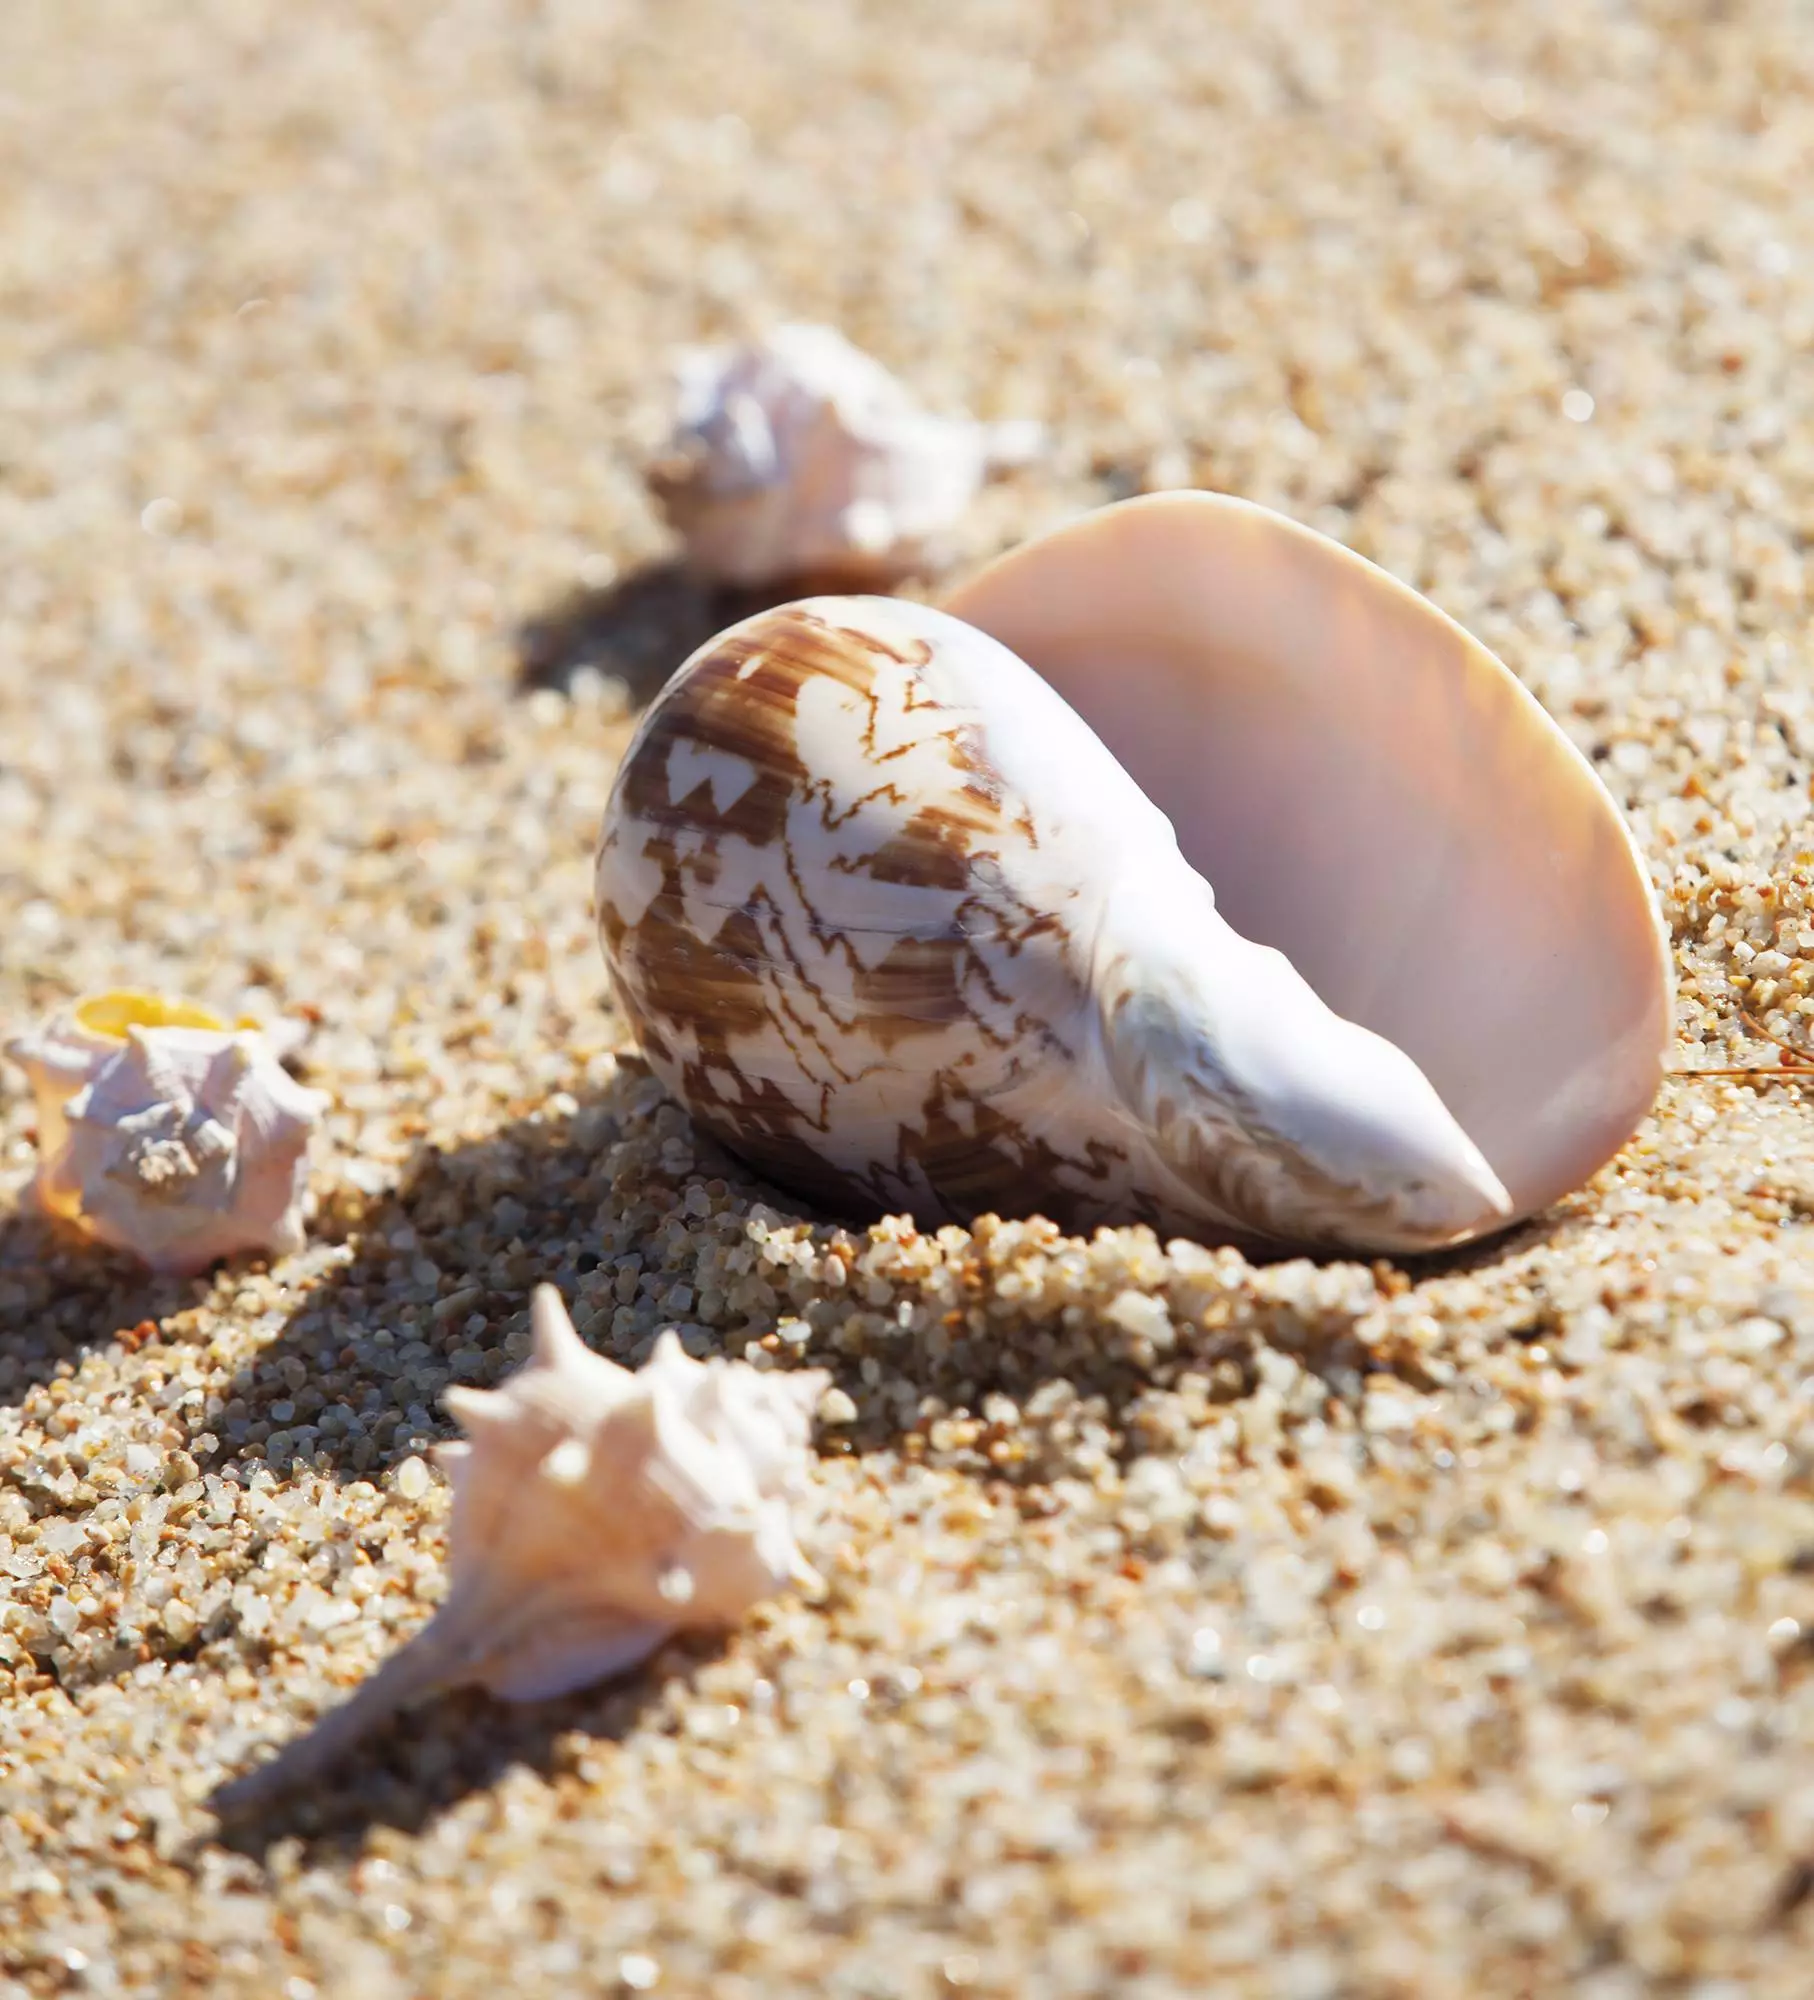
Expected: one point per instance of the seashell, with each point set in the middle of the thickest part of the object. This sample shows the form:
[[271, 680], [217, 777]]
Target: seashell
[[913, 908], [799, 454], [595, 1513], [164, 1132]]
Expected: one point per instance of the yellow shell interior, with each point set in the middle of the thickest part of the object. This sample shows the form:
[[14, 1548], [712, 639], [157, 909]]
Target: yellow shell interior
[[116, 1012]]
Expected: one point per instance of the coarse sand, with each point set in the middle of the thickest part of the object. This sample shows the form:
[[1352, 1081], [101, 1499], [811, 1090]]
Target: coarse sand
[[1192, 1626]]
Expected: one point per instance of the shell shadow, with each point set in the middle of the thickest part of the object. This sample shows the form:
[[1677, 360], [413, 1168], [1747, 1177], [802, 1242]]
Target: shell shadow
[[494, 1217], [641, 1222], [638, 629], [61, 1298], [1533, 1232], [442, 1751], [633, 1215]]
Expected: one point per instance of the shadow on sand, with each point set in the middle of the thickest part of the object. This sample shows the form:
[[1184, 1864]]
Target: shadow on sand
[[641, 1223], [440, 1752], [609, 1203], [61, 1298], [640, 628]]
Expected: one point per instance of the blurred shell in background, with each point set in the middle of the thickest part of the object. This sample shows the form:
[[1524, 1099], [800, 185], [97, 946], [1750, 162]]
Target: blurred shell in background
[[799, 455]]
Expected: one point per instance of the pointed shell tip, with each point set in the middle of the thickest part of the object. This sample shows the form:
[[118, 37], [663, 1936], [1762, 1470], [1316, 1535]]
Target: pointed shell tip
[[556, 1337]]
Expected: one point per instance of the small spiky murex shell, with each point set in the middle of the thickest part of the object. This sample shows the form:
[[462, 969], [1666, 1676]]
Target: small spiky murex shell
[[596, 1512], [167, 1133], [799, 454]]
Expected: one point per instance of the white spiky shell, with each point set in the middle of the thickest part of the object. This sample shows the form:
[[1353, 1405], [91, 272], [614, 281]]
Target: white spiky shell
[[166, 1133], [896, 923], [798, 454], [596, 1512]]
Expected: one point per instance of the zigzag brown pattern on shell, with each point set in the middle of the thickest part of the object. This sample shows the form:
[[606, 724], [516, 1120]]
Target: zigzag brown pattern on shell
[[741, 701], [760, 1124], [992, 1161], [918, 987]]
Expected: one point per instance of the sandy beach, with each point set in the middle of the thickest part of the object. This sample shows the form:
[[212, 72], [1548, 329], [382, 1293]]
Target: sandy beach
[[1307, 1630]]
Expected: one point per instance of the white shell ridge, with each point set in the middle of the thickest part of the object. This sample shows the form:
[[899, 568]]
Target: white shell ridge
[[596, 1511], [1295, 1123], [895, 925], [798, 454], [165, 1133]]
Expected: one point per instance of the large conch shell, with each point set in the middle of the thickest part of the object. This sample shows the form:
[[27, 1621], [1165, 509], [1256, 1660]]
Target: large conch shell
[[915, 921], [800, 455], [166, 1133], [595, 1513]]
